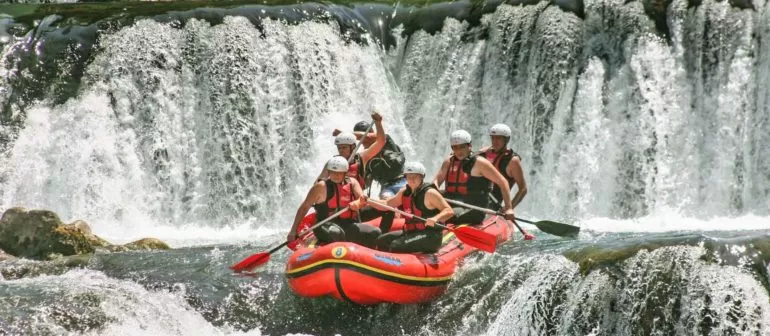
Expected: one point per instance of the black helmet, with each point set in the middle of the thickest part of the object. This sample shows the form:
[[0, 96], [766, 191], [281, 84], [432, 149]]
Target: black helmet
[[361, 126]]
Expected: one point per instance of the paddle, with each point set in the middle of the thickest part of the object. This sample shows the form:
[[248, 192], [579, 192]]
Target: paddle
[[527, 236], [258, 259], [554, 228], [469, 235], [358, 145]]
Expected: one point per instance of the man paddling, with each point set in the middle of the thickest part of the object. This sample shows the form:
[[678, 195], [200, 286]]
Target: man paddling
[[468, 179], [386, 165], [507, 162], [422, 200], [329, 196], [346, 145]]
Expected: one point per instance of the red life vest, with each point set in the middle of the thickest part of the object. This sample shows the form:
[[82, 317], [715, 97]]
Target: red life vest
[[338, 196], [353, 172], [461, 185], [458, 175], [500, 160], [413, 202]]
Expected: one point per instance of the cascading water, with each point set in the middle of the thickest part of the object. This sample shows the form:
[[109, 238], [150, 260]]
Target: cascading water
[[206, 130]]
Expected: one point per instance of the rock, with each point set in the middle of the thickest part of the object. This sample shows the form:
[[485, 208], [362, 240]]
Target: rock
[[82, 226], [5, 256], [40, 234], [85, 230], [35, 234], [147, 244]]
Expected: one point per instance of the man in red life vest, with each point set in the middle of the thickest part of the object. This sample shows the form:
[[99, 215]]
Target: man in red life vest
[[420, 199], [468, 178], [507, 162], [329, 196]]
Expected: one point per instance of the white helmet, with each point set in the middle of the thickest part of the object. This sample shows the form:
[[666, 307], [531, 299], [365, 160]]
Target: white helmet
[[345, 139], [414, 167], [460, 137], [337, 164], [501, 130]]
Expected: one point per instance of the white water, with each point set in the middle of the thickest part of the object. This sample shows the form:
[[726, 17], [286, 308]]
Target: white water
[[129, 308], [218, 114], [208, 133], [555, 299], [633, 134]]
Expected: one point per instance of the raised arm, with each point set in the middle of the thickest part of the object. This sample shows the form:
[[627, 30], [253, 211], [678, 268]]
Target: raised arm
[[379, 141]]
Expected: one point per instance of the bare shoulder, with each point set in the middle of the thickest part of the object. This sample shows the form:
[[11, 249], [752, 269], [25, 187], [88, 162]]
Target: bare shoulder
[[433, 192], [482, 160], [354, 183]]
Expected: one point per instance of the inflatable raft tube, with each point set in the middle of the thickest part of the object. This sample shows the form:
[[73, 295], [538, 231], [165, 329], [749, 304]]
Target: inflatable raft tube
[[354, 273]]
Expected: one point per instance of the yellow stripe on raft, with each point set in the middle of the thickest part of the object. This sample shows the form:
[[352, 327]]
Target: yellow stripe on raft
[[377, 270], [348, 262]]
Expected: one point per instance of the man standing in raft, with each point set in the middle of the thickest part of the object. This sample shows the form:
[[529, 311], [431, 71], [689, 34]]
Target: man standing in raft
[[420, 199], [387, 163], [329, 196], [507, 162], [468, 179], [346, 144]]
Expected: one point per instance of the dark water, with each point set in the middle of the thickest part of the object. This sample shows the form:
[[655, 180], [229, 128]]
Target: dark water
[[204, 127]]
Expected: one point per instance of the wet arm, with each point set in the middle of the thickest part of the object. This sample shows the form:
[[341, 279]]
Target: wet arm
[[441, 175], [490, 173], [514, 170], [310, 199], [436, 201]]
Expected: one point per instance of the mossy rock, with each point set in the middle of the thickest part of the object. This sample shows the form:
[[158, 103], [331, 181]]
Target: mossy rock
[[592, 257], [147, 244], [41, 235], [35, 234]]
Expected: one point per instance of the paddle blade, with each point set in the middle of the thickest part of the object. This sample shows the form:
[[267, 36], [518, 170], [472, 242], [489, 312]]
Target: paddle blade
[[558, 229], [481, 240], [253, 261]]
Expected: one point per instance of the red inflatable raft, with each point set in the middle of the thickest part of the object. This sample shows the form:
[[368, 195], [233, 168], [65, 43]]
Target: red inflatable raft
[[351, 272]]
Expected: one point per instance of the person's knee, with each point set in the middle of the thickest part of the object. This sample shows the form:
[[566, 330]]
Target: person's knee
[[396, 245], [375, 232], [335, 233]]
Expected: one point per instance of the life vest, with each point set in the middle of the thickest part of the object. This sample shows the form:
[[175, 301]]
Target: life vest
[[414, 203], [338, 196], [500, 160], [460, 185], [386, 166], [354, 169]]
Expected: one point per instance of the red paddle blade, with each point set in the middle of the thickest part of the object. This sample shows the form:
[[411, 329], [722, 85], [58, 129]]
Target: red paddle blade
[[481, 240], [253, 261]]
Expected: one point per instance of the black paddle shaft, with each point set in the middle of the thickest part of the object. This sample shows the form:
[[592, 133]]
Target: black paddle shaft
[[514, 221]]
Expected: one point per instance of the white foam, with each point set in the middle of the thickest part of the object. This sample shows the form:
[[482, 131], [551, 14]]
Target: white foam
[[131, 309], [675, 222]]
